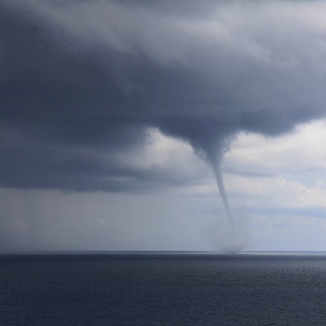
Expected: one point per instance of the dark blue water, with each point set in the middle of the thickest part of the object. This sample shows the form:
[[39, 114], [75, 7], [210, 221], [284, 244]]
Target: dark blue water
[[162, 290]]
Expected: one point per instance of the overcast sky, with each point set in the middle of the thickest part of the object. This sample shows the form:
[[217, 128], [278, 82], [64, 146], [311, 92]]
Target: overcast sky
[[114, 116]]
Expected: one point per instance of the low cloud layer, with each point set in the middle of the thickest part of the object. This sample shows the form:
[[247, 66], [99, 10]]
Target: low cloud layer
[[82, 83]]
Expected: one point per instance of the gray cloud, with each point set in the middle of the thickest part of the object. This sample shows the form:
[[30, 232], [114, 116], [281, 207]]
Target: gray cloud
[[84, 76]]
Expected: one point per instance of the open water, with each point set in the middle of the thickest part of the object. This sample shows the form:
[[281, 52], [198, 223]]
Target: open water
[[162, 289]]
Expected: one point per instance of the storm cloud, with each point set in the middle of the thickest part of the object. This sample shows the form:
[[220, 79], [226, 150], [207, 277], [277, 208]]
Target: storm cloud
[[83, 81]]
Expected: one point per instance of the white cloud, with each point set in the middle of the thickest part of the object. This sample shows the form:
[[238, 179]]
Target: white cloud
[[162, 152], [287, 170], [301, 150]]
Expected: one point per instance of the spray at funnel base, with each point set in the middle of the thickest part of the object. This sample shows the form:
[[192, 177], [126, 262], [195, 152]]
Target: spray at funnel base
[[220, 185]]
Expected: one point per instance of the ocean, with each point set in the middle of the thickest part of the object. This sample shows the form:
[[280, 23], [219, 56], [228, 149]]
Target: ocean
[[162, 289]]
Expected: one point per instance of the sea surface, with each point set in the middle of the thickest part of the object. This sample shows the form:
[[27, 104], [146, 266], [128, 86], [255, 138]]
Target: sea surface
[[162, 289]]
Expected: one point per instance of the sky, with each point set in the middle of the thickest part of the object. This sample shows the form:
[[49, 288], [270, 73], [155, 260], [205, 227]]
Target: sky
[[130, 125]]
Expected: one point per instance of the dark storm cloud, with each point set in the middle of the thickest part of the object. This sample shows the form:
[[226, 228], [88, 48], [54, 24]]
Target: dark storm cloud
[[80, 80]]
